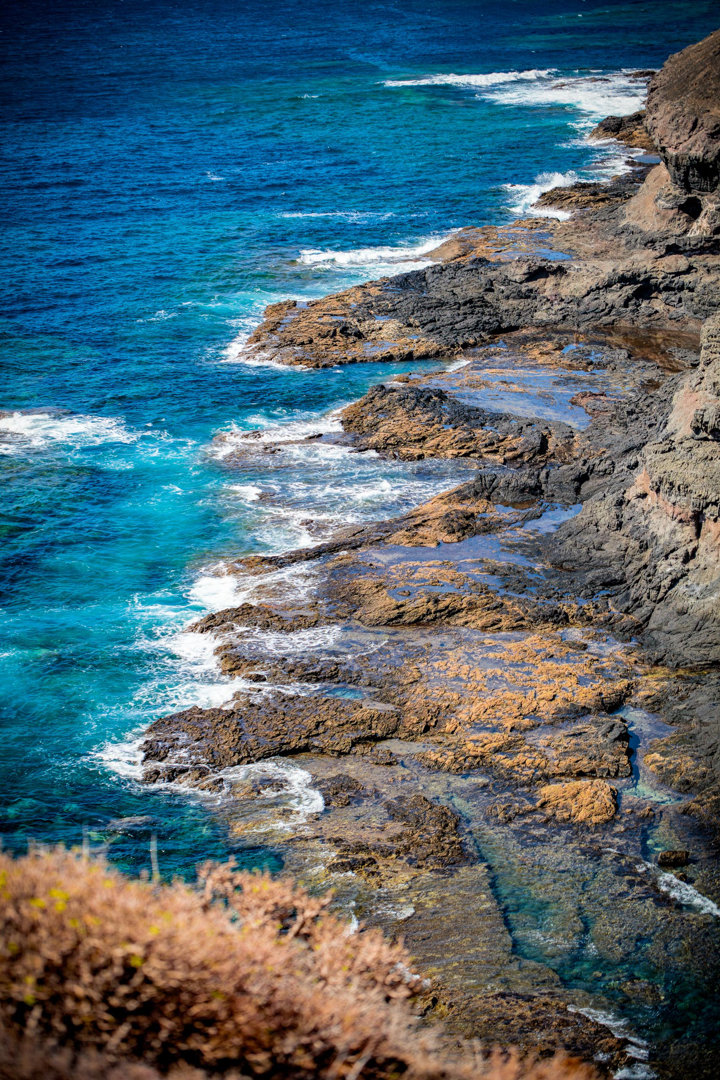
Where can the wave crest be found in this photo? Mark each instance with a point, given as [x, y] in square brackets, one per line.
[374, 259]
[22, 431]
[522, 197]
[491, 78]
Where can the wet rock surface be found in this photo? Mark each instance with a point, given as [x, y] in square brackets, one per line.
[422, 421]
[630, 130]
[439, 311]
[490, 723]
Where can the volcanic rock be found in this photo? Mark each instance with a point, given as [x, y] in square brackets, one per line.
[630, 130]
[683, 115]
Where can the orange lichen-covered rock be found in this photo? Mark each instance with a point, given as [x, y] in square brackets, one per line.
[583, 802]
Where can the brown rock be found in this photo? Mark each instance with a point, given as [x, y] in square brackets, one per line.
[414, 422]
[192, 745]
[259, 615]
[322, 333]
[582, 802]
[630, 130]
[673, 858]
[683, 115]
[430, 831]
[339, 790]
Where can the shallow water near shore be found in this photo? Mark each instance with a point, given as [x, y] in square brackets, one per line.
[168, 173]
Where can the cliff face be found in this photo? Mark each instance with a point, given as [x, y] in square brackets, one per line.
[651, 518]
[683, 118]
[683, 115]
[656, 519]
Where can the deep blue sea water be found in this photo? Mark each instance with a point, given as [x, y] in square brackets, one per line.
[167, 170]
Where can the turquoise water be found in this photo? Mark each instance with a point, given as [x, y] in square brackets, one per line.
[167, 170]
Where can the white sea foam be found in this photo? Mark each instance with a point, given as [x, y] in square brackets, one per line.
[316, 639]
[398, 912]
[122, 756]
[192, 672]
[214, 590]
[246, 492]
[23, 431]
[687, 894]
[289, 787]
[472, 82]
[610, 157]
[232, 353]
[635, 1047]
[237, 352]
[313, 508]
[297, 780]
[523, 197]
[375, 259]
[681, 891]
[357, 216]
[159, 316]
[592, 97]
[362, 263]
[186, 671]
[208, 694]
[285, 435]
[197, 650]
[323, 485]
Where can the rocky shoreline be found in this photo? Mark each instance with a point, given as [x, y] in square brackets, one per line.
[507, 697]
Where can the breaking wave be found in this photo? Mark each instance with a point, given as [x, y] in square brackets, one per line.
[373, 259]
[471, 82]
[21, 431]
[523, 197]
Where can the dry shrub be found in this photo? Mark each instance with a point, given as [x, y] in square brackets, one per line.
[25, 1059]
[247, 976]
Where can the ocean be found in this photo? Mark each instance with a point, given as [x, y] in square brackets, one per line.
[169, 169]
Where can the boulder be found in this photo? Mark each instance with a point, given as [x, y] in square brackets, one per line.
[630, 130]
[582, 802]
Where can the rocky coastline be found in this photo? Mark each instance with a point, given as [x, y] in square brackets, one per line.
[511, 724]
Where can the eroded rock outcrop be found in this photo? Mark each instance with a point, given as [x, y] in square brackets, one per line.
[681, 195]
[651, 529]
[439, 311]
[683, 115]
[416, 422]
[630, 130]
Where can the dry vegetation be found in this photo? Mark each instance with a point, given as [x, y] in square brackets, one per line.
[245, 976]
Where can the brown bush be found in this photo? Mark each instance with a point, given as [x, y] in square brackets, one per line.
[246, 976]
[25, 1059]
